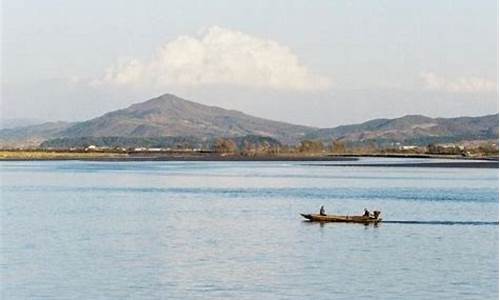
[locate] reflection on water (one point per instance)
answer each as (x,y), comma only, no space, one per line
(215,230)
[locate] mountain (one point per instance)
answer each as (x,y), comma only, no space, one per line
(170,120)
(413,129)
(170,116)
(6,123)
(29,136)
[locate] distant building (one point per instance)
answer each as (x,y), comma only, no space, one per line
(408,147)
(451,146)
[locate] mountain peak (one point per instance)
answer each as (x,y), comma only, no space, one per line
(167,98)
(169,115)
(164,100)
(414,118)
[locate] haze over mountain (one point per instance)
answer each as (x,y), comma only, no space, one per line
(32,135)
(15,122)
(171,116)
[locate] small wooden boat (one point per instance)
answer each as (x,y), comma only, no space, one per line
(343,219)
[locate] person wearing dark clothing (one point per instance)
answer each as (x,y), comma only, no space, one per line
(367,213)
(322,211)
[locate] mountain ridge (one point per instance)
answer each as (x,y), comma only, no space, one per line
(415,129)
(167,115)
(171,116)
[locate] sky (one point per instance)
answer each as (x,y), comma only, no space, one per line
(318,63)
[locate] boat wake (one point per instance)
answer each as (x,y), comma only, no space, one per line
(442,222)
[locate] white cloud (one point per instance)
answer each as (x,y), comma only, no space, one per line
(219,56)
(432,81)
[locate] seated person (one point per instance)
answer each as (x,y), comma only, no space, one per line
(322,211)
(367,213)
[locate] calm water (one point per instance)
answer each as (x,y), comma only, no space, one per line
(215,230)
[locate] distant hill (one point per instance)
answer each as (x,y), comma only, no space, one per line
(170,120)
(6,123)
(412,129)
(169,115)
(165,116)
(31,135)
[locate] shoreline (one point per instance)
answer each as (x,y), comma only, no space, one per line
(465,162)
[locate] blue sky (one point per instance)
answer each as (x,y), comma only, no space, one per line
(320,63)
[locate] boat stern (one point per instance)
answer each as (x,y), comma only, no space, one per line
(307,216)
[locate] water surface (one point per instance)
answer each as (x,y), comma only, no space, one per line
(215,230)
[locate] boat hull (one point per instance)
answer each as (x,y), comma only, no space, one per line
(341,219)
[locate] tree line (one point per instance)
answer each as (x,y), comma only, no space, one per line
(254,145)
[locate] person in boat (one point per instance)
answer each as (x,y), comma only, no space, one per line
(367,213)
(322,211)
